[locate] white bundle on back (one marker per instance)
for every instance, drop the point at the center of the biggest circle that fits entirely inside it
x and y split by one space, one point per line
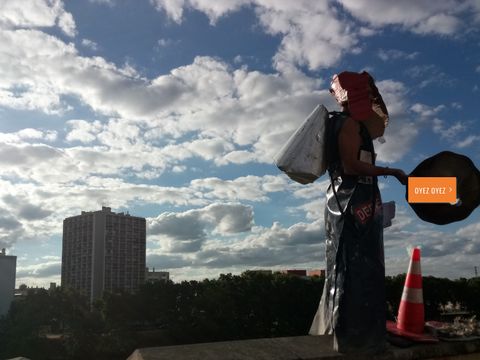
303 157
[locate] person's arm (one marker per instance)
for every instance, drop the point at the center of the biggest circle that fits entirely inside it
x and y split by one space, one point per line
349 145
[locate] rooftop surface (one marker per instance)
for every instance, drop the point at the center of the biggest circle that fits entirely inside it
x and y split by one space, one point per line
304 348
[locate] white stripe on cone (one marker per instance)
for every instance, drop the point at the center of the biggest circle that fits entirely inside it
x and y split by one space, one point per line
412 295
414 268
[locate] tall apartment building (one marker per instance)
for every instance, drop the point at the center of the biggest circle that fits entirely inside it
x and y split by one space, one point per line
8 270
103 251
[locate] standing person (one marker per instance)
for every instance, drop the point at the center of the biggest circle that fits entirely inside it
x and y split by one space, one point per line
352 307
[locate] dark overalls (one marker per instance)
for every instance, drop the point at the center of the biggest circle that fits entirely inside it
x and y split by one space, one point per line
352 307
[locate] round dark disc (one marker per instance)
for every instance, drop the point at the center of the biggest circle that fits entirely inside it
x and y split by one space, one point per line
449 164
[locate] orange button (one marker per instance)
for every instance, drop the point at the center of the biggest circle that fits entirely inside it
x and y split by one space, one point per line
432 190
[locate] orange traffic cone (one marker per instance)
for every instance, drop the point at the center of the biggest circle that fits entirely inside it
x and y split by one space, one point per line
411 316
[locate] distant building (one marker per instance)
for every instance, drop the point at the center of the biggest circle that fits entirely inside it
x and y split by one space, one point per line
317 272
154 276
103 251
294 272
304 273
20 293
8 269
24 290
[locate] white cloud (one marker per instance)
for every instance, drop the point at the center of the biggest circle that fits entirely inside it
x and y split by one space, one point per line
469 231
36 13
207 109
300 245
253 113
476 9
246 116
313 197
300 23
266 247
179 168
36 211
30 98
460 251
447 132
28 134
29 212
164 42
394 54
8 222
67 24
365 31
425 111
237 157
51 257
427 75
83 131
173 8
469 140
440 17
243 188
40 270
401 131
44 68
90 44
103 2
230 116
186 232
439 24
209 149
401 222
214 10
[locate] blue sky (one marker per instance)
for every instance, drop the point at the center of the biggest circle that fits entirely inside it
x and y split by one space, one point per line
174 109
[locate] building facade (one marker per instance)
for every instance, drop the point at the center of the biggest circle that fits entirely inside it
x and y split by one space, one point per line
103 251
8 270
317 272
154 276
295 272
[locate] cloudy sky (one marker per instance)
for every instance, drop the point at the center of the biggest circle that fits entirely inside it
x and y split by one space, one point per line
173 110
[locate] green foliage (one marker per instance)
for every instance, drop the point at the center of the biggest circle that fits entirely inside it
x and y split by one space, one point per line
437 291
231 307
393 294
251 305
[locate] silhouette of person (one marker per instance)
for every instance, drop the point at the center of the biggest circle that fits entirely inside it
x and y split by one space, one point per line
352 306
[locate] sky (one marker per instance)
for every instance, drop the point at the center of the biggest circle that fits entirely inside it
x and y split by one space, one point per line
173 110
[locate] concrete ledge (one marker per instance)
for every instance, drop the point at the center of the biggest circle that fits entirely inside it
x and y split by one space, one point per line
301 348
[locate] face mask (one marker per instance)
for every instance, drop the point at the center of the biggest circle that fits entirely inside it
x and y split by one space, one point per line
359 94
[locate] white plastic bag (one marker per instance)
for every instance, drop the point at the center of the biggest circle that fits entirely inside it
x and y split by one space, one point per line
303 156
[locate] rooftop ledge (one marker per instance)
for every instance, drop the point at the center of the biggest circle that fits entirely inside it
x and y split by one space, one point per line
303 348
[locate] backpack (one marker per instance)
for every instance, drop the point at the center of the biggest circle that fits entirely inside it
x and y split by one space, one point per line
304 157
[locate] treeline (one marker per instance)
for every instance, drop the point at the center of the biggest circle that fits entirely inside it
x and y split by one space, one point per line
438 292
252 305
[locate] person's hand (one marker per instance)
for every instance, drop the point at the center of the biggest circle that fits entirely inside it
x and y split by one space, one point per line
401 176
